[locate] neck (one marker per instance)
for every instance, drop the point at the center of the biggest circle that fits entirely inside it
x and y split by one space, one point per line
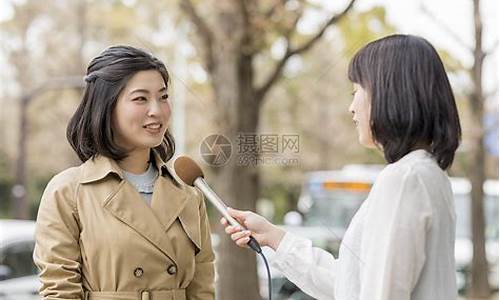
422 145
136 162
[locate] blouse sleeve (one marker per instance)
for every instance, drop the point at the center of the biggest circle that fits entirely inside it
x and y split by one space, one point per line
311 269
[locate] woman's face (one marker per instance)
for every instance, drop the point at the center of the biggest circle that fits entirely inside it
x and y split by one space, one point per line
360 109
142 113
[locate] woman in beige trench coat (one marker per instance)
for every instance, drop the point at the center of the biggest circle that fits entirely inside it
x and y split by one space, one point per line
97 236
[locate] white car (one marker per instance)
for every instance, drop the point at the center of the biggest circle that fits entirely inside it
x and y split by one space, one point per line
18 273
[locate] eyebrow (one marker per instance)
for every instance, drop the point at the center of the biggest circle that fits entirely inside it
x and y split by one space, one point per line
147 91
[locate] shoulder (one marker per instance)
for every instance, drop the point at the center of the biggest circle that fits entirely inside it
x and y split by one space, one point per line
63 185
413 169
67 178
413 181
405 190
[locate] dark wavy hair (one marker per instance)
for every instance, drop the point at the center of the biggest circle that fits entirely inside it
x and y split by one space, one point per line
412 103
89 131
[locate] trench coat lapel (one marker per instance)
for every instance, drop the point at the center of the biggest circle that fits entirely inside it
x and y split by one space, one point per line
168 201
125 203
128 206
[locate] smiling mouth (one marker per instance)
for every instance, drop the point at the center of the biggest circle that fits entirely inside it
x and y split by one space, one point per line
154 126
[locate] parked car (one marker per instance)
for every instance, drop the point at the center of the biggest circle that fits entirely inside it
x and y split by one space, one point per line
18 273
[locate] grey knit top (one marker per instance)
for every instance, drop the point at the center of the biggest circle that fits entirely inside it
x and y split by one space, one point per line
144 183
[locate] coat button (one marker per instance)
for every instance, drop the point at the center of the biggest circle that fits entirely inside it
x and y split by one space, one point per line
172 269
138 272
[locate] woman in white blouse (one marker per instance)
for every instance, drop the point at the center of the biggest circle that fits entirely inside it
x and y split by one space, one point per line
400 243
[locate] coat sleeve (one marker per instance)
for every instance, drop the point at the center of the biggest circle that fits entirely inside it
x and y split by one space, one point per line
202 285
394 238
57 251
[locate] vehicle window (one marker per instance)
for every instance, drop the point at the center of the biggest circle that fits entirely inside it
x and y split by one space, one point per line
334 209
18 258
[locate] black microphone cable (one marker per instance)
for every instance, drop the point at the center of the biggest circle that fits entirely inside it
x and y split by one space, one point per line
254 245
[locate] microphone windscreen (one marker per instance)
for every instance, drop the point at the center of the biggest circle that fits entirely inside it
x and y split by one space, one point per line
187 169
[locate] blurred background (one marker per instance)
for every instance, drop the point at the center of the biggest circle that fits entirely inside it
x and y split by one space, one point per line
270 77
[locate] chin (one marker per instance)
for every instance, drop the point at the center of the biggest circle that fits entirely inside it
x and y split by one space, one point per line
151 144
367 143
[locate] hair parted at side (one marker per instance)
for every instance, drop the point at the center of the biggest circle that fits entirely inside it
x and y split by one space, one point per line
89 131
411 98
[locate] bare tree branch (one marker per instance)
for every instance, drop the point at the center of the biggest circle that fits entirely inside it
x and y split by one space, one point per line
204 32
445 27
278 69
57 83
334 19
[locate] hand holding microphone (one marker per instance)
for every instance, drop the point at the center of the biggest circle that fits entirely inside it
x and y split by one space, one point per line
257 226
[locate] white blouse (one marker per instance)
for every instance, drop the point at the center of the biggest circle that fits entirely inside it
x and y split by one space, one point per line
399 245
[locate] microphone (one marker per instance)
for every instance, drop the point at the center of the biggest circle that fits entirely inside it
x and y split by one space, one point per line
191 174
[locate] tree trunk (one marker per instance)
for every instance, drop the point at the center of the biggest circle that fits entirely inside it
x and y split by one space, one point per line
237 112
238 271
479 286
19 191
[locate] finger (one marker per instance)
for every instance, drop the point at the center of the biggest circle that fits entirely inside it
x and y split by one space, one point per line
232 229
223 221
239 214
243 242
239 235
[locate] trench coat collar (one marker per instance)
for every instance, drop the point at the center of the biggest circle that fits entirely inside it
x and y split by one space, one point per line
125 203
99 166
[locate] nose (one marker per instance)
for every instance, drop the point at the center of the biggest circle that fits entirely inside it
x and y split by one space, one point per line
154 108
351 108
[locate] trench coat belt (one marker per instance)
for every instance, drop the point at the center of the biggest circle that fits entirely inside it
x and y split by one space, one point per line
174 294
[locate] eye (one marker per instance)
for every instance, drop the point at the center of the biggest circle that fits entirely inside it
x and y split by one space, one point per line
140 99
164 97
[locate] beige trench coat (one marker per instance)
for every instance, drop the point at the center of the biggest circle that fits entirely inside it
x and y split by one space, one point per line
96 237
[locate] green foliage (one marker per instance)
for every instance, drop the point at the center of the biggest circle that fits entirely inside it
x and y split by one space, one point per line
284 198
360 28
6 183
36 186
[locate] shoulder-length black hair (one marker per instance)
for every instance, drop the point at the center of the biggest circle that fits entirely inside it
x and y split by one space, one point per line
89 131
412 103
